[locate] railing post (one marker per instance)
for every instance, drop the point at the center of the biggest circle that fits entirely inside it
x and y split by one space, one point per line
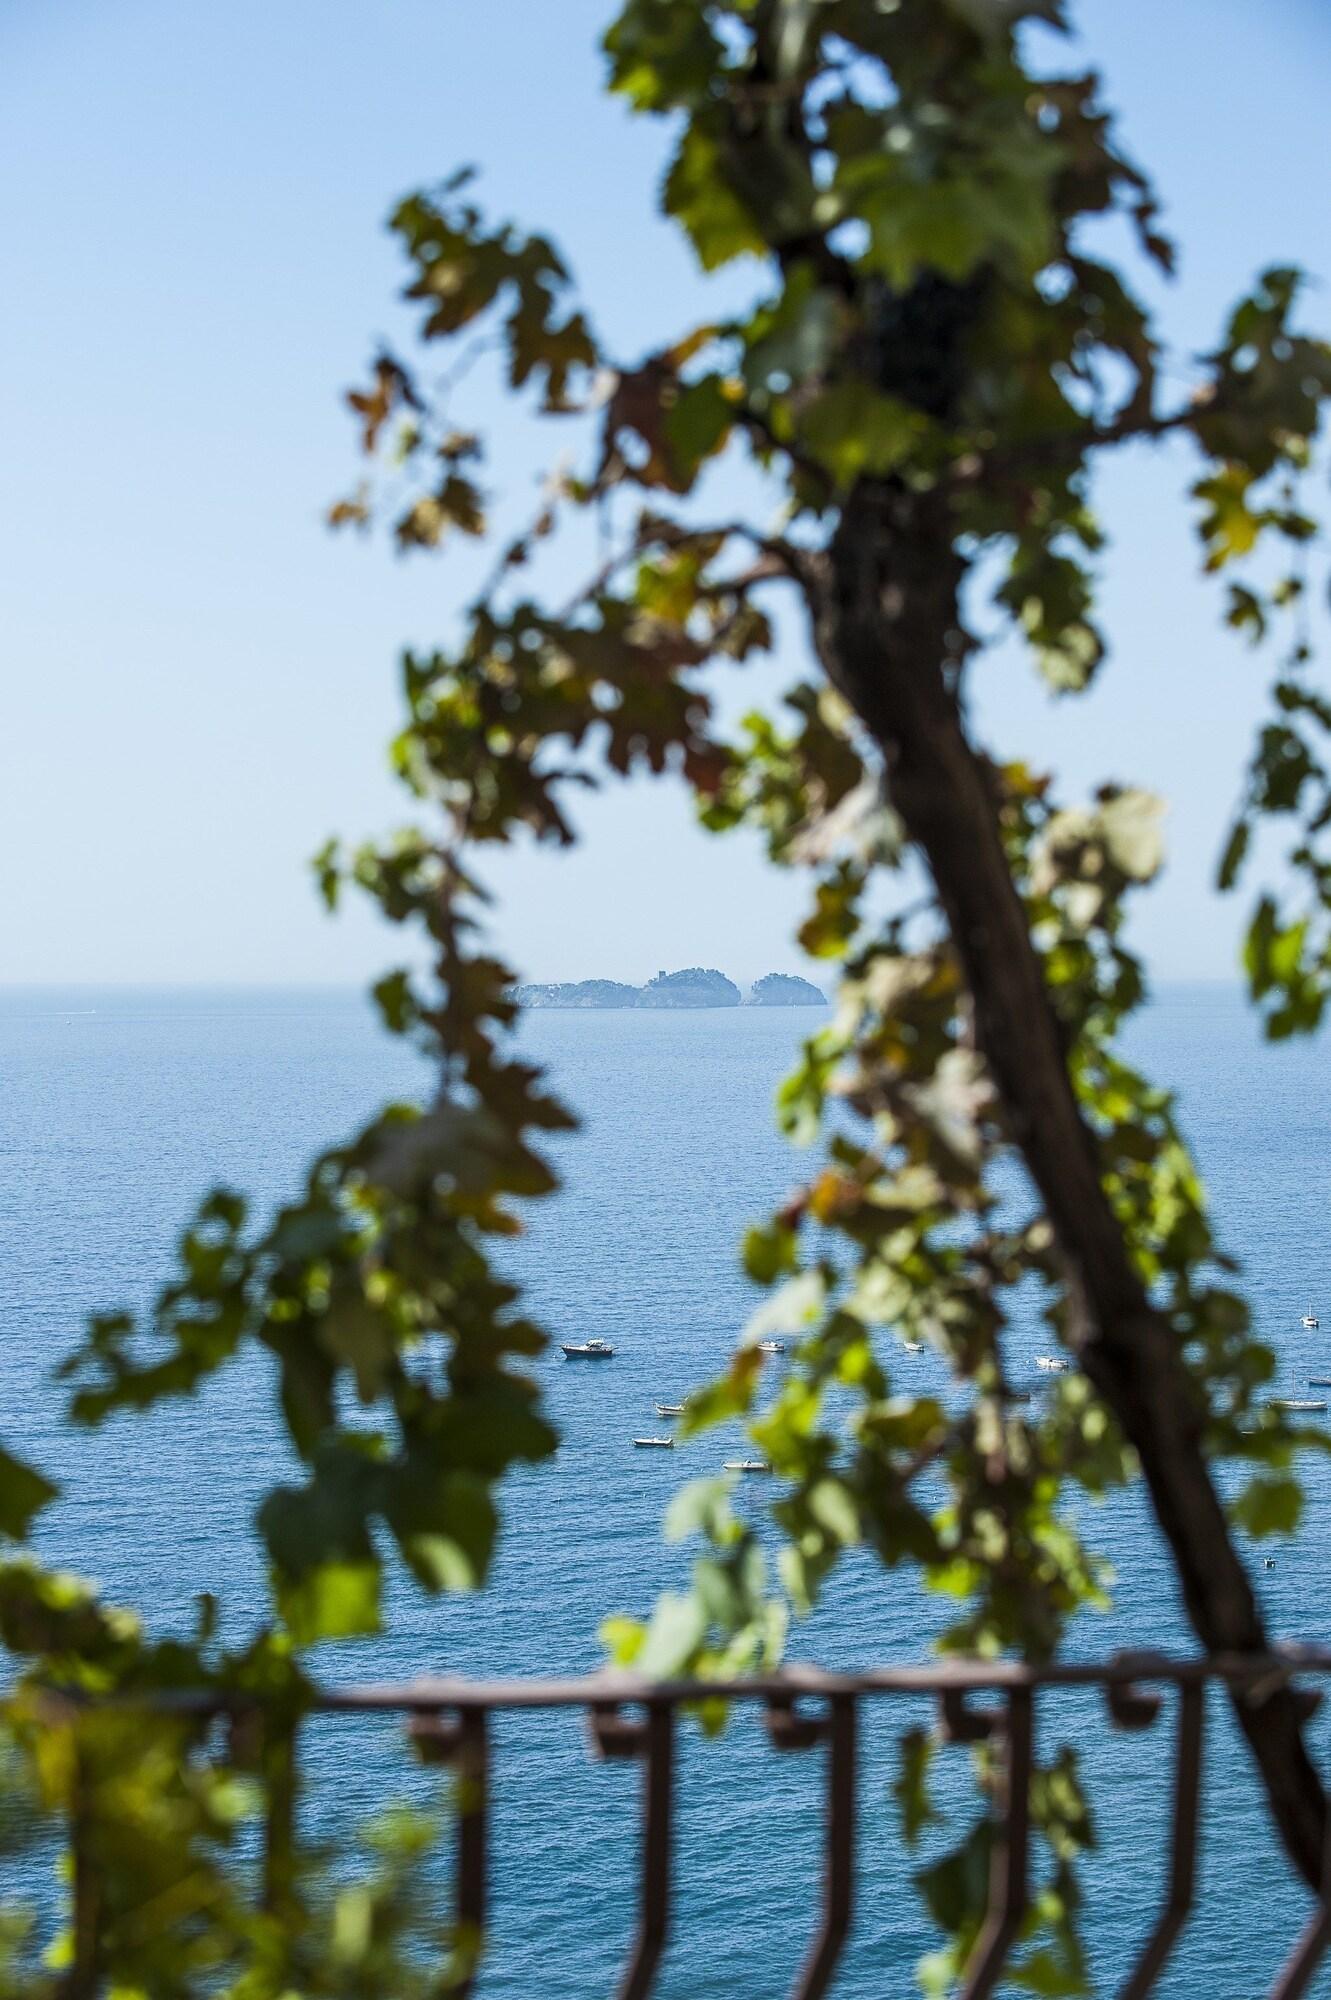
1182 1844
279 1846
653 1740
1009 1863
839 1850
465 1746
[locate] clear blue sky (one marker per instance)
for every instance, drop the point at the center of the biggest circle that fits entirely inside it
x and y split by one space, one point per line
198 680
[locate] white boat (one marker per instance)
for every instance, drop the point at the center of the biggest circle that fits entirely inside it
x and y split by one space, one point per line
771 1347
1053 1364
913 1346
655 1444
668 1409
587 1350
1310 1320
1296 1403
747 1465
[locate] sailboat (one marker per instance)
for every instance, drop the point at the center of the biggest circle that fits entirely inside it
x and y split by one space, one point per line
1310 1320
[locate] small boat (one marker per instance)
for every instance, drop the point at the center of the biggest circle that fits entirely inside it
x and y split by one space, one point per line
587 1350
1319 1381
913 1346
1053 1364
747 1465
1016 1395
771 1347
1296 1403
668 1409
655 1444
1310 1320
1268 1562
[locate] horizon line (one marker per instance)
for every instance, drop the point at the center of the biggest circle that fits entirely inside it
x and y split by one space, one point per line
362 986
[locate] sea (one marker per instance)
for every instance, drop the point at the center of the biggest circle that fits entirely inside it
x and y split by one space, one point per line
118 1109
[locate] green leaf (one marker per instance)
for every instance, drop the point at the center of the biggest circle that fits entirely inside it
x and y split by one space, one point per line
730 1396
910 1788
396 1001
1236 851
23 1494
327 866
622 1638
324 1565
771 1251
1270 1504
699 422
852 429
444 1520
1228 526
955 1888
678 1627
833 1507
331 1600
700 199
1246 613
701 1506
794 1308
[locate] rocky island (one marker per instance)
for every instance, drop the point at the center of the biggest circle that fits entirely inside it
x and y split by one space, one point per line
578 993
785 989
696 986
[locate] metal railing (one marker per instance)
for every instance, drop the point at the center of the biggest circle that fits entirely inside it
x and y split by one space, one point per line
804 1707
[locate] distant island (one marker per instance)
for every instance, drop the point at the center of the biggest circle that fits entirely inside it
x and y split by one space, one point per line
785 989
696 986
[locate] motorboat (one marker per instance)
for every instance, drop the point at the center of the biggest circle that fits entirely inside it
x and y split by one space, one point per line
587 1350
1319 1381
655 1444
771 1347
747 1465
1053 1364
1303 1403
913 1346
668 1409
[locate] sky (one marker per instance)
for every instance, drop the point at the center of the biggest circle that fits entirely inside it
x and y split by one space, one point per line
198 681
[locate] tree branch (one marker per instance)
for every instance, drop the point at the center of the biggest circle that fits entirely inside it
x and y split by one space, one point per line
886 626
1067 447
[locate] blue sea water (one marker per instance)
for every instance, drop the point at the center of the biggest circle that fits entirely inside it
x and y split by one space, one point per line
117 1110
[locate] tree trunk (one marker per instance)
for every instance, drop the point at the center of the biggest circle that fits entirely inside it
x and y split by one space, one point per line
887 629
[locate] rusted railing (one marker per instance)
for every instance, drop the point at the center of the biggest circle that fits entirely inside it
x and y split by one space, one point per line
629 1717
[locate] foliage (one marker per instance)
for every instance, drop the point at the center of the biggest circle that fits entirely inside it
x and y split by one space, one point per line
933 356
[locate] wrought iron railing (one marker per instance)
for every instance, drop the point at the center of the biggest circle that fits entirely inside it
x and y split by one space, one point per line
805 1707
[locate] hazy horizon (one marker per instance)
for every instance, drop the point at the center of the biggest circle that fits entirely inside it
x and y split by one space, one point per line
359 988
